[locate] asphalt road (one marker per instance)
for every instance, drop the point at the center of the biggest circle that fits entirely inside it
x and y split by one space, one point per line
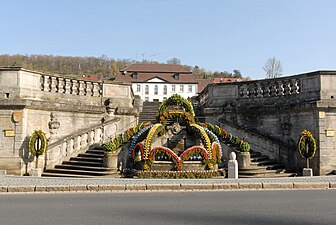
308 207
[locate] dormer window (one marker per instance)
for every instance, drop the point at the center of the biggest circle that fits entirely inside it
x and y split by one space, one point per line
176 76
134 75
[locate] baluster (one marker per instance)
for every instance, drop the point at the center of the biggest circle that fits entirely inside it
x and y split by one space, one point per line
70 146
74 87
61 85
273 89
266 88
77 144
287 88
89 89
252 92
84 140
53 84
259 90
64 149
81 88
67 86
294 86
280 89
46 83
91 137
95 89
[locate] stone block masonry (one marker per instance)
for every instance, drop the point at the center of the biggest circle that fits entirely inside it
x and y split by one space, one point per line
72 112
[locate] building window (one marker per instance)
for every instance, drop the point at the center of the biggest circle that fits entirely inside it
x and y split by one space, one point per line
173 88
165 89
156 90
189 88
134 75
181 88
138 88
176 76
146 99
146 90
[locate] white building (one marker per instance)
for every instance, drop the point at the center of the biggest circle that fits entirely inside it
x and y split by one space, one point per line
157 82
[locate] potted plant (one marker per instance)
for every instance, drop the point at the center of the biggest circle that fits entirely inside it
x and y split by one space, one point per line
244 157
110 155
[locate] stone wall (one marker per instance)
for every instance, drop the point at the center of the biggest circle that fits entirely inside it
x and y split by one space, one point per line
281 109
63 108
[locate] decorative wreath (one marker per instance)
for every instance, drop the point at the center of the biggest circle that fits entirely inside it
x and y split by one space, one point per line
38 143
307 145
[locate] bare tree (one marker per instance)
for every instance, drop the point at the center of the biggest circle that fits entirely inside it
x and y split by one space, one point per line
174 60
273 68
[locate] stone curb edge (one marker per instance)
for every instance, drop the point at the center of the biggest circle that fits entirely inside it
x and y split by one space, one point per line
166 187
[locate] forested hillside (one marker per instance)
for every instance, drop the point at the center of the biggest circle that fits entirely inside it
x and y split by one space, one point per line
104 66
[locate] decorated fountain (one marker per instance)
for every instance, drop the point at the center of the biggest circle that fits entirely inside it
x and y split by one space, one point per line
175 144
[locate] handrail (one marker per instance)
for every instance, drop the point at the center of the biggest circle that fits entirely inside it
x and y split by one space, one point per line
83 131
123 128
247 130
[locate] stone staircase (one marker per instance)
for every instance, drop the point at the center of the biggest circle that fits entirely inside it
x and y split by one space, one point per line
149 111
86 165
262 166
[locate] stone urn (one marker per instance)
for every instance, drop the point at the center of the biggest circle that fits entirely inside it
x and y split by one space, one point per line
244 160
110 160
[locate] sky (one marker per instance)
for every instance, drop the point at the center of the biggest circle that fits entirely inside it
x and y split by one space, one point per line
217 35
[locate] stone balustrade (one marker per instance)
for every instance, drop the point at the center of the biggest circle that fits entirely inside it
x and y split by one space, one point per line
55 84
303 87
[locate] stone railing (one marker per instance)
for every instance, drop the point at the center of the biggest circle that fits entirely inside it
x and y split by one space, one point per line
270 88
303 87
83 140
265 145
52 83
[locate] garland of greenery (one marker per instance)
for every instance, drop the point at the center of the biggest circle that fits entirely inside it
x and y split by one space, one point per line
307 145
176 99
172 114
186 155
37 144
204 137
33 145
155 130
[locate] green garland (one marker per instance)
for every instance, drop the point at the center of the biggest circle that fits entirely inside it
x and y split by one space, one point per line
307 145
37 137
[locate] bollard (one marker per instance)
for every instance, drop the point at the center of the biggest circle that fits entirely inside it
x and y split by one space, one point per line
233 166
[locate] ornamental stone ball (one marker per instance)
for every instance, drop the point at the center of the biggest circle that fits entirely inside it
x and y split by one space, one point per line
232 156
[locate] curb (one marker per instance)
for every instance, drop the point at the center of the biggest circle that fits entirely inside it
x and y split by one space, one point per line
243 186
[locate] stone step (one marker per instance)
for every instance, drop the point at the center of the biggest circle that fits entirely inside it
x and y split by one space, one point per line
259 158
83 163
87 159
96 151
81 172
80 167
255 172
90 155
268 175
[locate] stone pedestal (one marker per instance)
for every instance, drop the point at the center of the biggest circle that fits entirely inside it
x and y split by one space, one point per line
244 160
307 172
110 160
233 166
35 172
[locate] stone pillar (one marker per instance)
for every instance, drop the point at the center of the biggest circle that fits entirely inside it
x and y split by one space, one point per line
233 166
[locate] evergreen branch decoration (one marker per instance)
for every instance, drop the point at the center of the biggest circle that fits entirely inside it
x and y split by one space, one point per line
307 146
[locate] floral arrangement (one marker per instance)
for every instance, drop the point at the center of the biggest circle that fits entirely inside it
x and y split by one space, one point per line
180 174
171 114
307 145
113 145
203 135
176 99
37 144
155 130
242 145
139 137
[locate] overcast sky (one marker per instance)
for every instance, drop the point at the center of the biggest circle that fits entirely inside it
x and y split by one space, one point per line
218 35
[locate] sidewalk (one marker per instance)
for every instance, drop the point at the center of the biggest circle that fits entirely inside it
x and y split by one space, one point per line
14 184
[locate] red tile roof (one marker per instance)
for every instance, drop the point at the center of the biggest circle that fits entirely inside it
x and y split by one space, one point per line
202 83
146 72
157 68
225 80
